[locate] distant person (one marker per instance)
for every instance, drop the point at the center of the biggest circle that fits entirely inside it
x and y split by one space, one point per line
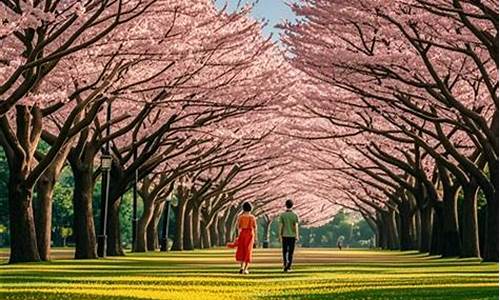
246 238
289 234
340 242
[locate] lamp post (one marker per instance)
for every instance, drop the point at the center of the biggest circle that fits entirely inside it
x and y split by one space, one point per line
164 233
106 163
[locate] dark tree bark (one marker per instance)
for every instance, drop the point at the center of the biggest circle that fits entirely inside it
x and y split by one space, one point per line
165 227
482 229
118 185
413 231
491 232
205 235
152 194
179 225
196 226
142 225
418 229
426 222
450 239
491 239
382 232
20 145
43 207
214 237
23 243
391 230
114 244
43 215
83 226
152 234
470 227
221 230
437 230
152 230
405 225
188 230
230 221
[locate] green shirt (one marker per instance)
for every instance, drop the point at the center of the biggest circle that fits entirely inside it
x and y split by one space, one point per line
288 220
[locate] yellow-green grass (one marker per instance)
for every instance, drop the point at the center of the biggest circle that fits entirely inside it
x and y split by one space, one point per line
212 274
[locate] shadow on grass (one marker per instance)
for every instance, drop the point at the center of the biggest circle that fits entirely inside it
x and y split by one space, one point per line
46 295
318 274
459 293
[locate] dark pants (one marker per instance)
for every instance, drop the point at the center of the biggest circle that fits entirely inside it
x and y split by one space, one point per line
288 244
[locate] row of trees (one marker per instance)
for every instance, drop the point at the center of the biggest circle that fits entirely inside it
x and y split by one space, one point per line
387 109
400 119
179 94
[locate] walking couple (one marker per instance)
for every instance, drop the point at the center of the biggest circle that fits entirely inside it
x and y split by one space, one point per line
247 226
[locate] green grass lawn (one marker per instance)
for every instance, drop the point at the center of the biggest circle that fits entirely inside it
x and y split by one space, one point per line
212 274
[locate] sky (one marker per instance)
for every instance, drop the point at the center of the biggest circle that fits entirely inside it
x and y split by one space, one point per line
272 10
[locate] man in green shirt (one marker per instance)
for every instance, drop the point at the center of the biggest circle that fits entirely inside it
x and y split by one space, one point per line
289 234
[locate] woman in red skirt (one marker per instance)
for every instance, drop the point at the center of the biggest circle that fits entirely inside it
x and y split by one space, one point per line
246 238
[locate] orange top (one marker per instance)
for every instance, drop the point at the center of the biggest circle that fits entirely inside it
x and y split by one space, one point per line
246 221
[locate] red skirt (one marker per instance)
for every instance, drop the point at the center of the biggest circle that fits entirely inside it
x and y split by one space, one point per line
244 245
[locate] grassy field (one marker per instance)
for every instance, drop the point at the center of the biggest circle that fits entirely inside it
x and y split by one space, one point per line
211 274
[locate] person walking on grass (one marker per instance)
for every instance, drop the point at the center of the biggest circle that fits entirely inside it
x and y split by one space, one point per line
289 234
246 238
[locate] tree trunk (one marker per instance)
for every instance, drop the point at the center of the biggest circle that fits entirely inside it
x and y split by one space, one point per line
221 230
491 238
413 230
23 242
43 215
188 230
165 225
230 221
382 232
179 225
418 229
229 231
391 227
405 225
379 235
43 209
470 228
83 226
482 213
23 238
397 219
142 225
114 243
196 227
437 229
205 235
152 234
214 238
451 244
426 221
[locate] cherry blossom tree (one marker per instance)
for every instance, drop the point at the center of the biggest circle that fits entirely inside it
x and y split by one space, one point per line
413 84
36 35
